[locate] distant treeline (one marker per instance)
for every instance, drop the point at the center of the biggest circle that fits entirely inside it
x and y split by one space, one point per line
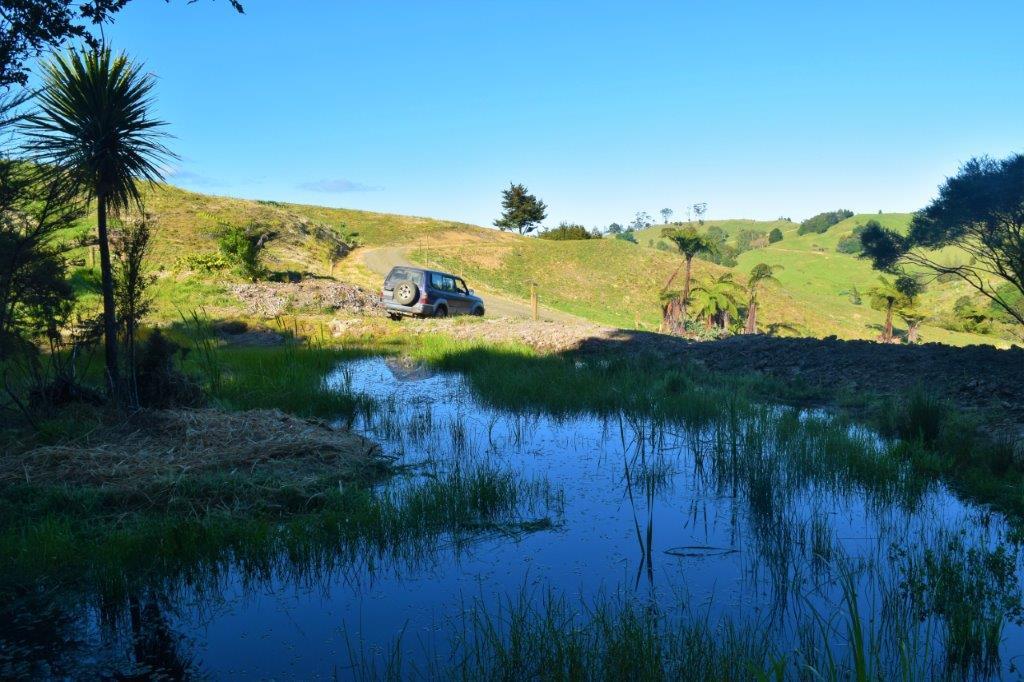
821 222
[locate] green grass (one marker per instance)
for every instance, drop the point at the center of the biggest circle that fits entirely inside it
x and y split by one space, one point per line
87 538
608 281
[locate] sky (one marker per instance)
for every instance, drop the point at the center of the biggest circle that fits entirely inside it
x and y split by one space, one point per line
760 109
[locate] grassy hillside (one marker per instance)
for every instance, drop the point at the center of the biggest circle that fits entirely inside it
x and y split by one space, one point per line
608 281
652 235
821 277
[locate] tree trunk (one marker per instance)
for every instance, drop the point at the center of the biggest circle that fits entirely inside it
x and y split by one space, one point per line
686 284
887 334
107 285
912 331
751 327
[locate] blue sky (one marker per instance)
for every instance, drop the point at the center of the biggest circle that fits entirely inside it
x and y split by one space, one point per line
760 109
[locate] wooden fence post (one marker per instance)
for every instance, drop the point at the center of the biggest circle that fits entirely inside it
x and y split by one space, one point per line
533 299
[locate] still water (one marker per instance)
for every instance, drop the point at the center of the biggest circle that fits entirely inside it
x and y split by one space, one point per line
635 511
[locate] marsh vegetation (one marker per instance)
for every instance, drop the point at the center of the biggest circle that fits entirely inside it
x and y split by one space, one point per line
563 517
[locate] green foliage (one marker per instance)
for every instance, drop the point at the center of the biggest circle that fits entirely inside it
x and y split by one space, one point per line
242 247
95 125
522 211
567 231
202 262
627 236
35 295
851 244
160 384
640 221
715 299
980 211
751 239
689 241
775 236
821 222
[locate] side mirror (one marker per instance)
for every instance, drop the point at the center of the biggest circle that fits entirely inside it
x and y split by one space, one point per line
471 292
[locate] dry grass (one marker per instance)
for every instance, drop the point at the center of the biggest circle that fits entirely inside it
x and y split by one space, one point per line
167 449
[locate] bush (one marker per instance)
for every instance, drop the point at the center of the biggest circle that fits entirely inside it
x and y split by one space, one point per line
775 235
566 232
751 239
849 244
160 383
627 236
202 262
242 249
821 222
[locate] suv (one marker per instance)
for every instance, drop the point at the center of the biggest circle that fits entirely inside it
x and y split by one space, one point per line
427 293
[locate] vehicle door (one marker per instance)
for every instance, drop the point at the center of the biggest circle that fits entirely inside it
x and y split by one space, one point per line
438 291
458 303
464 296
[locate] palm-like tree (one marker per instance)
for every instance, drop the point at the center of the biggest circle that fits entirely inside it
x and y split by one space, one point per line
892 295
717 299
94 131
759 274
690 243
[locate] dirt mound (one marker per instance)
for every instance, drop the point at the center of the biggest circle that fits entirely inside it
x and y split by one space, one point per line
271 299
170 449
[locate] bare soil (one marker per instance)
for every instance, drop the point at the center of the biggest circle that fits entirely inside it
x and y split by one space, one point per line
272 299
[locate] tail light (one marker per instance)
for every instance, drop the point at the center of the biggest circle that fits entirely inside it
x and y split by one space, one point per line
423 297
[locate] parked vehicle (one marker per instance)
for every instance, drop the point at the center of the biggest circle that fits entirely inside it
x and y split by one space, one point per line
428 293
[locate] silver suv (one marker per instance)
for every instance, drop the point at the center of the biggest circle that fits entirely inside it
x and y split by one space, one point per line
427 293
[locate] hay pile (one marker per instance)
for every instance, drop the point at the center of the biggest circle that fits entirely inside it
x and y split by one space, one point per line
168 449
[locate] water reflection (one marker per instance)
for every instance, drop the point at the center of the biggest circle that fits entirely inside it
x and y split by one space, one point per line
781 521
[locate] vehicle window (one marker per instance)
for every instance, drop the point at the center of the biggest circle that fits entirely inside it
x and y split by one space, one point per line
437 280
398 274
461 286
449 283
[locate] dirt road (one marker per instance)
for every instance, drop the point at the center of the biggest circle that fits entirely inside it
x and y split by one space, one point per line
380 260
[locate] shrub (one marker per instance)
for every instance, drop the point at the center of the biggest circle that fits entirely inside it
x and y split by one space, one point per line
751 239
160 383
242 248
627 236
202 262
775 235
849 244
566 232
821 222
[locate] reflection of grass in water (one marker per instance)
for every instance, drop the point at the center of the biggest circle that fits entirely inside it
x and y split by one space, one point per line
290 378
550 638
972 591
60 534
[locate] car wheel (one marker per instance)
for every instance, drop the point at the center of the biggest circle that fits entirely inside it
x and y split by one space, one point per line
441 311
406 292
478 311
395 316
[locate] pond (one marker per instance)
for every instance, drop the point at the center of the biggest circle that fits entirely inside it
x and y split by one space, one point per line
788 541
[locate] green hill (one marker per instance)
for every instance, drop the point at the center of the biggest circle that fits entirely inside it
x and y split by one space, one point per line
608 281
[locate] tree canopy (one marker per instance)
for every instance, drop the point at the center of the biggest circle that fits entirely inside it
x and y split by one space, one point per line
521 212
980 210
821 222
